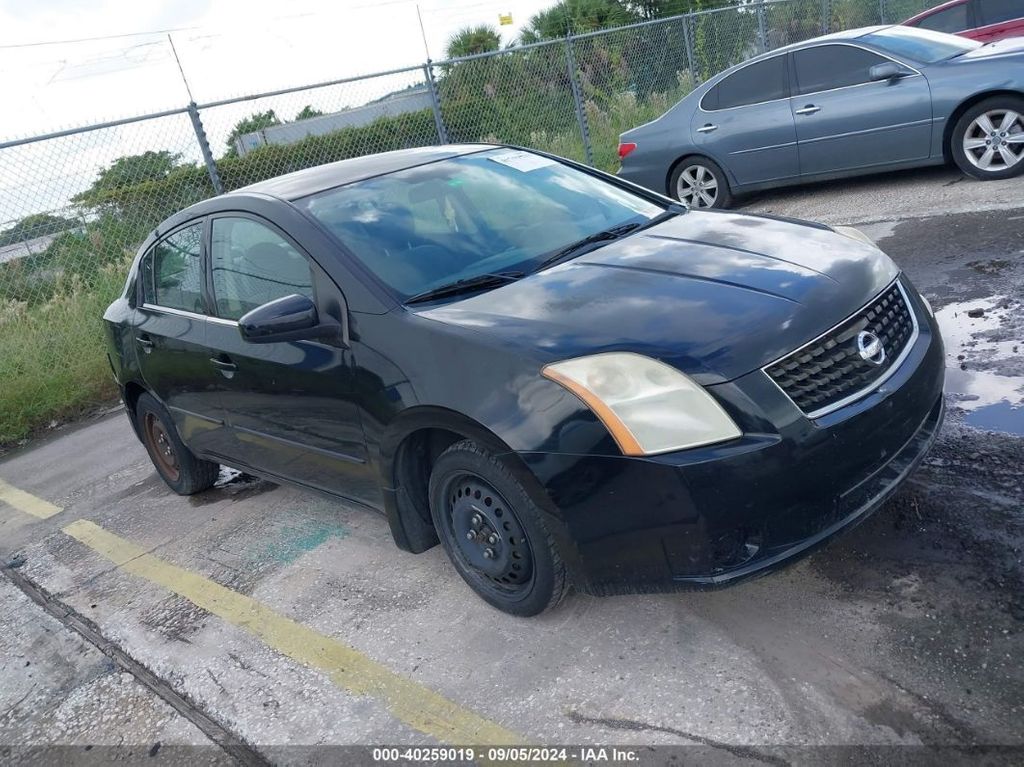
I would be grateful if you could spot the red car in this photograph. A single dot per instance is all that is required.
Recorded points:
(984, 20)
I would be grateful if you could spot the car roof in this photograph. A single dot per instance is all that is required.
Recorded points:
(301, 183)
(846, 34)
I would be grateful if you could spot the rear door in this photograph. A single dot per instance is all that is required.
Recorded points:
(170, 336)
(745, 123)
(845, 121)
(290, 406)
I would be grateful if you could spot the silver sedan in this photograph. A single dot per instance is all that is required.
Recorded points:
(856, 102)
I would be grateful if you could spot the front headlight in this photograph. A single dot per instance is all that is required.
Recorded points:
(647, 406)
(853, 234)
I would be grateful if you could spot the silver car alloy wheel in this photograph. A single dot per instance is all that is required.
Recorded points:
(994, 141)
(697, 187)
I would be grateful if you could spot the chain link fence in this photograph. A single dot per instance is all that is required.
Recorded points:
(75, 205)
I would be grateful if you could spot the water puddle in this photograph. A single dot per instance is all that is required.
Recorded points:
(232, 485)
(990, 400)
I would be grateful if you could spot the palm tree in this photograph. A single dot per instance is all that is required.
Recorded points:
(472, 40)
(576, 16)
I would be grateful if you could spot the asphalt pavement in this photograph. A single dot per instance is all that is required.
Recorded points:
(253, 617)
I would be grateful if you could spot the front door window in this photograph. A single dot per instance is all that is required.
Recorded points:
(253, 265)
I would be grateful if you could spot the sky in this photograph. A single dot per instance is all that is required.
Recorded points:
(227, 48)
(53, 77)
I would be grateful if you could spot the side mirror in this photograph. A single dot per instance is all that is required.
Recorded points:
(292, 318)
(887, 70)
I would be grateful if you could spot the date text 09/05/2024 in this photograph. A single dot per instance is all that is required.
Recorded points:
(504, 754)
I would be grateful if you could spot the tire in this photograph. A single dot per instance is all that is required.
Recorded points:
(180, 469)
(691, 172)
(478, 506)
(987, 142)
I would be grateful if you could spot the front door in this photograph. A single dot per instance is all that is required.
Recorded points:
(170, 337)
(845, 121)
(745, 123)
(289, 405)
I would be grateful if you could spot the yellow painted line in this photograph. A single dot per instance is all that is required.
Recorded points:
(27, 502)
(412, 703)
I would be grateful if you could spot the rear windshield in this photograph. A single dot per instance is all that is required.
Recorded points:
(499, 210)
(921, 45)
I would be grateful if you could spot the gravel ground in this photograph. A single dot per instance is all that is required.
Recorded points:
(889, 197)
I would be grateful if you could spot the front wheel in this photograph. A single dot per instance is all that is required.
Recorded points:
(988, 140)
(494, 534)
(700, 183)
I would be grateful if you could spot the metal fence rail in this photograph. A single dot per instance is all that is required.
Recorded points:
(75, 204)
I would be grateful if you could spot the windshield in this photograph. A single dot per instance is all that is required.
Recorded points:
(920, 44)
(497, 211)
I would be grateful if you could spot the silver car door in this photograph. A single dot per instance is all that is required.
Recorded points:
(746, 125)
(846, 121)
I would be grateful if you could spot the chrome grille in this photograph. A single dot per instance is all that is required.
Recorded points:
(829, 371)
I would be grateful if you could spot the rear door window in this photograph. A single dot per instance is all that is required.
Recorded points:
(764, 81)
(826, 67)
(172, 271)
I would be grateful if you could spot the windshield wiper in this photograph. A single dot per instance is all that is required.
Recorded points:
(477, 282)
(670, 212)
(613, 233)
(605, 235)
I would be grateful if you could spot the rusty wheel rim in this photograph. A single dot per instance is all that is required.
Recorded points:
(161, 448)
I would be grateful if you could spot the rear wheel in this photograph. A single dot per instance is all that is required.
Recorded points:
(493, 533)
(700, 183)
(988, 140)
(180, 469)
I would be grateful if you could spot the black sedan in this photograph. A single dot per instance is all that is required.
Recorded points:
(563, 378)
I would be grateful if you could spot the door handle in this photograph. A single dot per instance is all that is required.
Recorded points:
(226, 366)
(146, 343)
(808, 110)
(707, 128)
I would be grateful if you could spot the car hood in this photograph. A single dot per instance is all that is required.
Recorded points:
(714, 294)
(1007, 46)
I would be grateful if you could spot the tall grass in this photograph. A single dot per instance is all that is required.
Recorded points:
(621, 112)
(53, 364)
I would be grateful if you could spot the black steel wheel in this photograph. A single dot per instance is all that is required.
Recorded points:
(493, 533)
(174, 462)
(161, 449)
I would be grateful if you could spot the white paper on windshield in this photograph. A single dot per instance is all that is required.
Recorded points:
(522, 161)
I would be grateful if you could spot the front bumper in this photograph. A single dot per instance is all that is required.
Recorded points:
(715, 515)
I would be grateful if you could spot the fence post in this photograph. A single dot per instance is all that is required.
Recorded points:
(688, 42)
(881, 12)
(577, 96)
(204, 147)
(761, 32)
(435, 103)
(826, 16)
